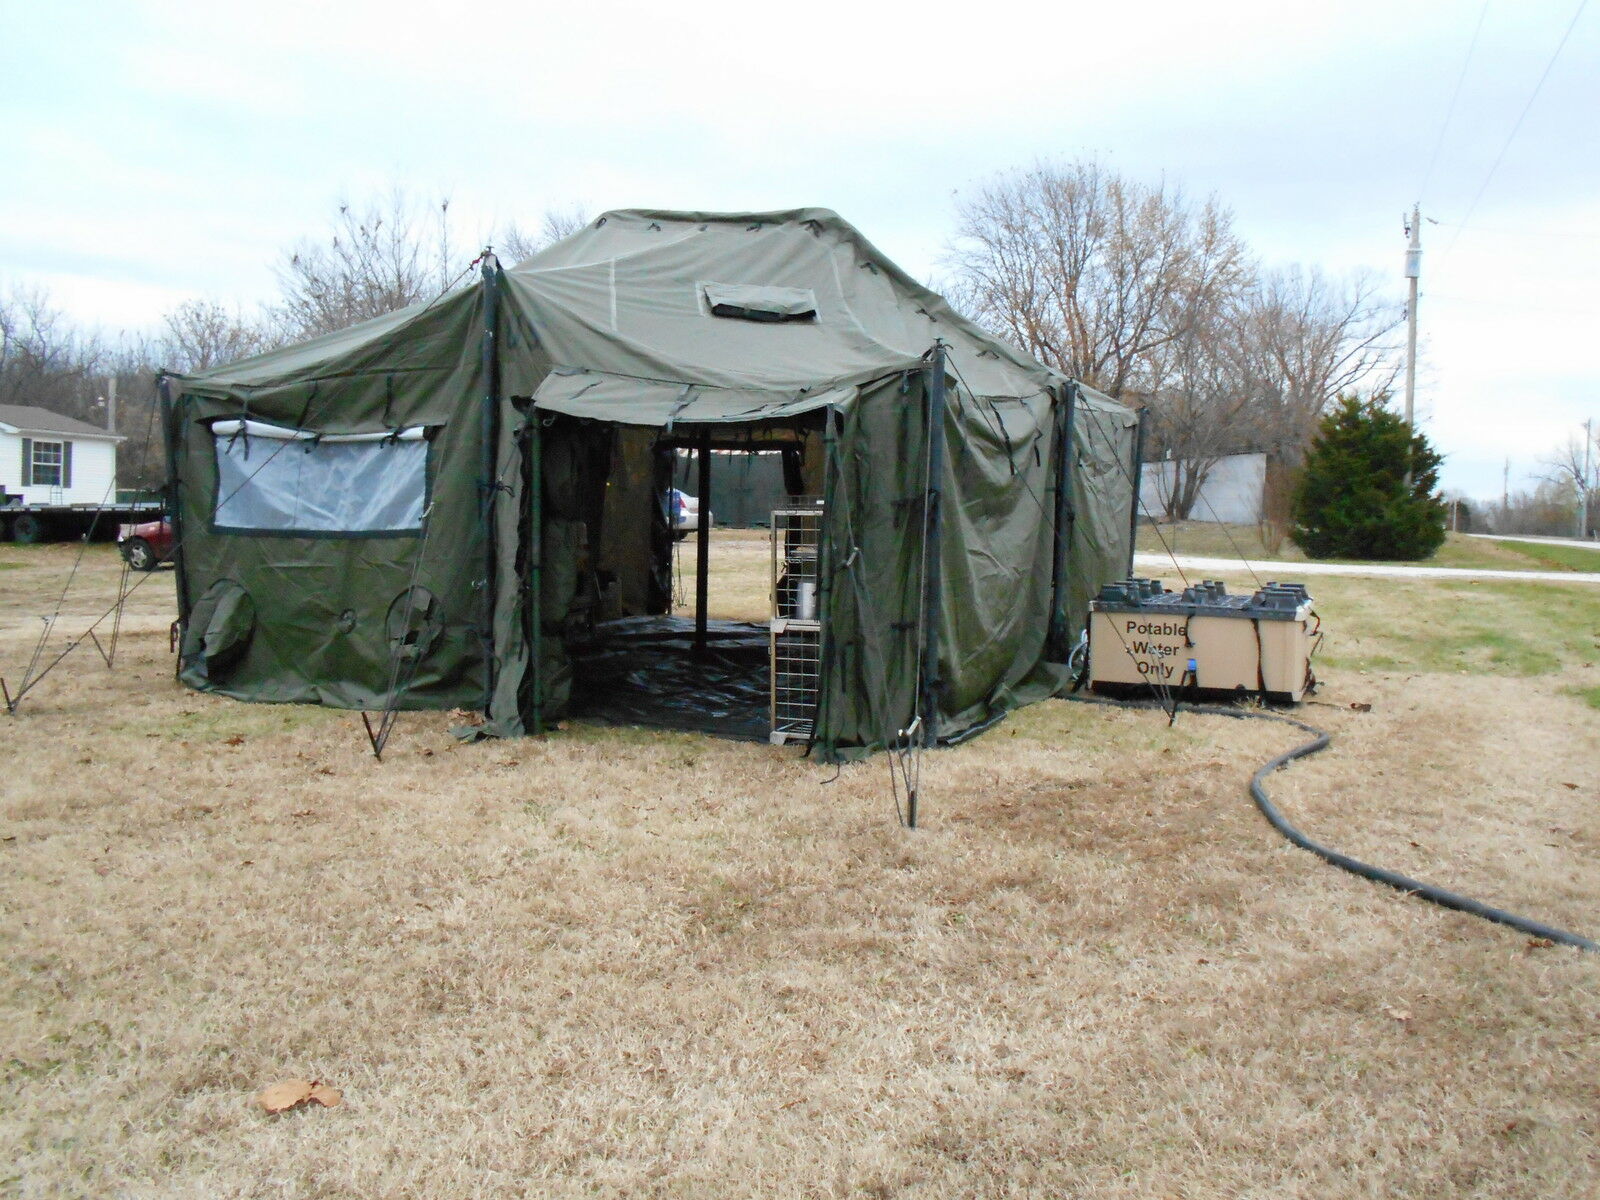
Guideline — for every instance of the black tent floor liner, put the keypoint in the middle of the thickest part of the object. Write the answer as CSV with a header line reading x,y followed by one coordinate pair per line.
x,y
644,671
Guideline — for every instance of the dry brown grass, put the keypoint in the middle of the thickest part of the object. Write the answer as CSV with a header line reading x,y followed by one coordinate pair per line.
x,y
617,962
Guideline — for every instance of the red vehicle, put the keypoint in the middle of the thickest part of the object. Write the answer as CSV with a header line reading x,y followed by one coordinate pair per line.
x,y
146,546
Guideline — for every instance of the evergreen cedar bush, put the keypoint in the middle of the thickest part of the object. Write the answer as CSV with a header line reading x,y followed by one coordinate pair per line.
x,y
1352,500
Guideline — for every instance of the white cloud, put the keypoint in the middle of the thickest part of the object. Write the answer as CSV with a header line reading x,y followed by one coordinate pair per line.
x,y
162,149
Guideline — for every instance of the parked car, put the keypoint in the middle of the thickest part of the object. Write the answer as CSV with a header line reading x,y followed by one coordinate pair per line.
x,y
146,546
686,515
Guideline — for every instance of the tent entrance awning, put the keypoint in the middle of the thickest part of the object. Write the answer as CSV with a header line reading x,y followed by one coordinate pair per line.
x,y
627,401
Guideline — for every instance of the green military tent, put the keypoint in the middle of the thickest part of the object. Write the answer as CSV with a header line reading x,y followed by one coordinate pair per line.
x,y
440,507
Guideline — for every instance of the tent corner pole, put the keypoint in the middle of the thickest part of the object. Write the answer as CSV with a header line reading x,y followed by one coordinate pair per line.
x,y
487,486
1138,485
170,438
932,590
536,566
1066,527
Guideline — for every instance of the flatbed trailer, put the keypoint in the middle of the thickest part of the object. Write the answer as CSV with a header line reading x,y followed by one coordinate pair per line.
x,y
31,523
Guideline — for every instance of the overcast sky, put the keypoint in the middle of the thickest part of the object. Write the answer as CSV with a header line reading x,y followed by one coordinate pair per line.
x,y
158,151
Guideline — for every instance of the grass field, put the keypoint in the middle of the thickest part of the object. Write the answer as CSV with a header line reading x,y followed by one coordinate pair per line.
x,y
1209,540
618,962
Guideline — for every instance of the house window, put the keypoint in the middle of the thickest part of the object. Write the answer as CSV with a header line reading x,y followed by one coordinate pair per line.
x,y
293,481
47,457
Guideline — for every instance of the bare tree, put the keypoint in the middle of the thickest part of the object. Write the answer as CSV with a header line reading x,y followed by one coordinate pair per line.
x,y
1303,339
200,334
382,257
45,361
1197,397
1545,512
1572,472
513,244
1089,271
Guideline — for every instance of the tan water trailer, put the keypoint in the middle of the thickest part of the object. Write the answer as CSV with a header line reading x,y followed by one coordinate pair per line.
x,y
1202,642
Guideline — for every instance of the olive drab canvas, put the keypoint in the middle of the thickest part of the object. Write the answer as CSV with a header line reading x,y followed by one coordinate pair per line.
x,y
412,513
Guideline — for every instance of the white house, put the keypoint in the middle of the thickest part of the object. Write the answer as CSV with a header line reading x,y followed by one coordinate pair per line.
x,y
46,458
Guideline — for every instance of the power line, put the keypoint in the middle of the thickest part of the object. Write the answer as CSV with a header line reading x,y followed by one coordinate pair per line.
x,y
1562,234
1517,128
1450,110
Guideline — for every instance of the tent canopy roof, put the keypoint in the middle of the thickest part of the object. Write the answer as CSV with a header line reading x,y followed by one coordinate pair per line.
x,y
784,305
652,317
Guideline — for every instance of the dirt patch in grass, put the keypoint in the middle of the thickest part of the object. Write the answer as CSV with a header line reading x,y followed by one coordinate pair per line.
x,y
624,962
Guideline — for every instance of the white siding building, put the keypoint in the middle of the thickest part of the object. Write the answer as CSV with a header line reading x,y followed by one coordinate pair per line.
x,y
46,458
1234,492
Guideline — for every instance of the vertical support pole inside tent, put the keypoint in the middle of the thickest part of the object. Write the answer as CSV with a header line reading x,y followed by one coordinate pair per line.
x,y
933,577
488,486
1060,644
702,549
821,729
1138,485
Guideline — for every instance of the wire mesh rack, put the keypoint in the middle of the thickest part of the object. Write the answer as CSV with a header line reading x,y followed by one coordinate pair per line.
x,y
796,619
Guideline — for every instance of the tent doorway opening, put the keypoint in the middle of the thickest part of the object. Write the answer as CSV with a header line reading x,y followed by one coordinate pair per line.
x,y
637,627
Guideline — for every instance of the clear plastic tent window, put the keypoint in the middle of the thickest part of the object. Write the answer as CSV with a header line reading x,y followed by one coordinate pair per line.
x,y
276,480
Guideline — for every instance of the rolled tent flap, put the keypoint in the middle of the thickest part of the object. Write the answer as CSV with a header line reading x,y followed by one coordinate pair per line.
x,y
1105,437
753,302
628,401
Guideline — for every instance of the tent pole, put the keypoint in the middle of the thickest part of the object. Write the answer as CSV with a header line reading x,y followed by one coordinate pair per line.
x,y
1066,518
171,430
1138,485
536,563
702,544
821,731
487,485
933,574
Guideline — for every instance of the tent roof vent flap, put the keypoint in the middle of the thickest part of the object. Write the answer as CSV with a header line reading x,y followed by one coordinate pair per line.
x,y
760,302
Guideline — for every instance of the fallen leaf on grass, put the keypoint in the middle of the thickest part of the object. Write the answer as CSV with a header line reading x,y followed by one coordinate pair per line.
x,y
236,740
281,1097
1539,943
1569,786
1358,706
1399,1014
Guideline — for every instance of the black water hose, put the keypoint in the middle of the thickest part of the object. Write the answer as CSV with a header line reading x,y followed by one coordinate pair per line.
x,y
1355,866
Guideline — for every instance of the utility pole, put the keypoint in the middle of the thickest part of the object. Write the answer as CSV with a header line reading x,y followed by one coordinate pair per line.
x,y
111,404
1413,271
1583,480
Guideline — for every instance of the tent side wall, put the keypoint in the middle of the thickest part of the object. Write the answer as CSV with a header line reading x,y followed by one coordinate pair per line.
x,y
875,488
329,615
1106,465
996,579
998,536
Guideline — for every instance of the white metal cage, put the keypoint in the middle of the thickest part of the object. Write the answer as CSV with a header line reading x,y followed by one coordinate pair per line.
x,y
796,619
